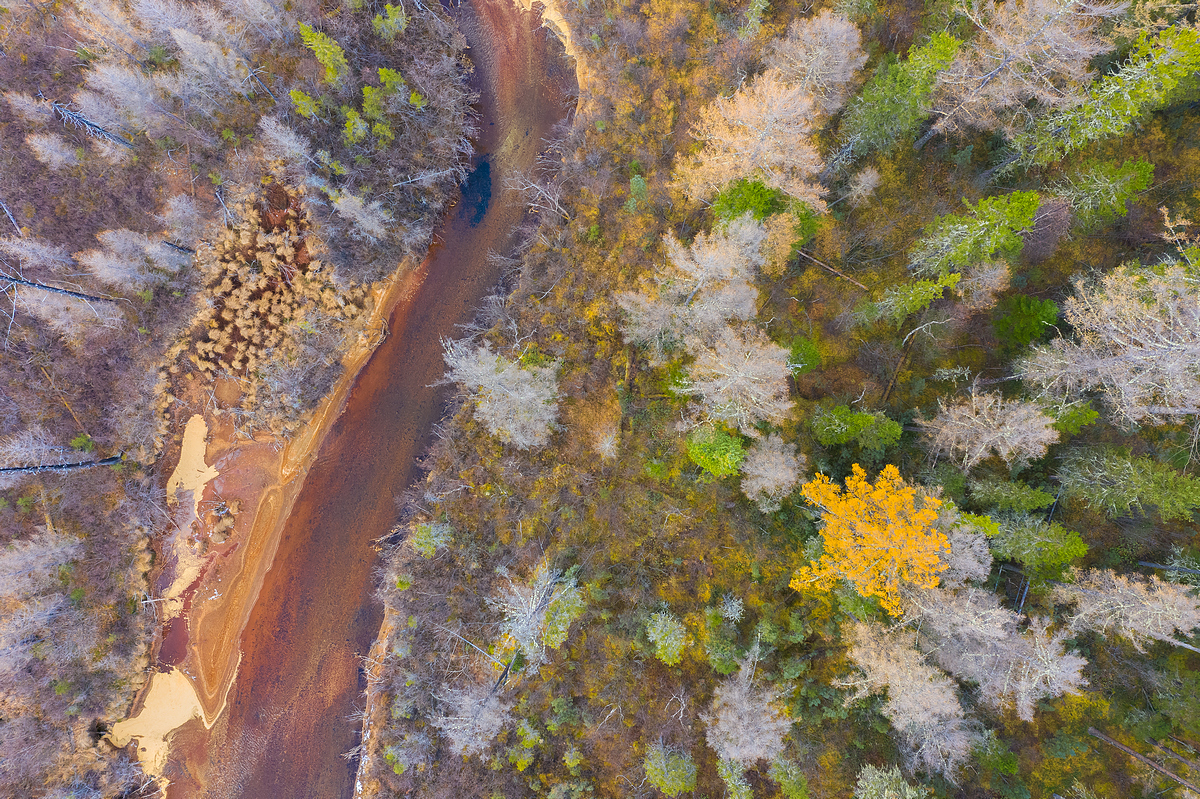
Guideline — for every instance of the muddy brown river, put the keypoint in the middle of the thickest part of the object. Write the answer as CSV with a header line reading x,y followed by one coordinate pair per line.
x,y
287,721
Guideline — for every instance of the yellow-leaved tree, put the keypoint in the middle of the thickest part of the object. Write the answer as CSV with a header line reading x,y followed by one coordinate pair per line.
x,y
877,537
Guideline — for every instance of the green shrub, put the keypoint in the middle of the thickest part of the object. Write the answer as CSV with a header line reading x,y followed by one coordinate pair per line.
x,y
1043,548
83,442
716,451
668,635
670,772
805,355
745,195
1073,418
873,432
1022,320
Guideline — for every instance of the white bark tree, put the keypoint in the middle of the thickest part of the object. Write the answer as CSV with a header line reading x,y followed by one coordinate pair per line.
x,y
519,405
1140,609
746,724
822,55
763,131
770,472
741,381
922,702
985,424
1138,345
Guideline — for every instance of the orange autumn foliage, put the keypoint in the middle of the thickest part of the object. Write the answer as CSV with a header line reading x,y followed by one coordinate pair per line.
x,y
877,537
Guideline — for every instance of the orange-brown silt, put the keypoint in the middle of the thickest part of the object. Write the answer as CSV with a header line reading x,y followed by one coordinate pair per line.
x,y
287,721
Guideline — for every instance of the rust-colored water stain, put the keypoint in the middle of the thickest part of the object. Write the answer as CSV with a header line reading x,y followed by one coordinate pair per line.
x,y
174,642
285,725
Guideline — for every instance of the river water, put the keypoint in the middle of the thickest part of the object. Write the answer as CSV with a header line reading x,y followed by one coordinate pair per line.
x,y
288,721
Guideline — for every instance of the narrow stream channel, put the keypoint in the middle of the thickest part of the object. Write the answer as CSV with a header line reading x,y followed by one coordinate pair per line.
x,y
287,722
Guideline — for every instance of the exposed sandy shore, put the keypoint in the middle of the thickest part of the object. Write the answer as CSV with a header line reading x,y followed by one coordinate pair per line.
x,y
214,584
168,703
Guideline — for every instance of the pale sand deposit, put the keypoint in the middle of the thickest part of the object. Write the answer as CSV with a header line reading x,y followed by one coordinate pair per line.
x,y
186,483
169,702
554,21
192,473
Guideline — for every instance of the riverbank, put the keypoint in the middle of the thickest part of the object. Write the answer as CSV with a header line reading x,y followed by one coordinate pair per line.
x,y
210,582
279,624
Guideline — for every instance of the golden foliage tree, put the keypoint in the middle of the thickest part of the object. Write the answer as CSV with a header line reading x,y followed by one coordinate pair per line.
x,y
876,537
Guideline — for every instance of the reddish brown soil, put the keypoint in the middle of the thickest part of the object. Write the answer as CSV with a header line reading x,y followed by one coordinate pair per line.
x,y
293,621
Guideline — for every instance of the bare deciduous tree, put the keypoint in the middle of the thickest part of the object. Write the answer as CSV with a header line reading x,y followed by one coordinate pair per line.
x,y
863,185
703,286
770,472
762,131
159,17
822,55
471,717
886,783
517,404
1034,50
746,724
33,446
969,558
985,424
1141,610
135,97
30,109
131,261
52,150
922,703
741,381
33,252
282,144
526,608
72,317
970,635
1139,345
370,220
214,68
184,223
